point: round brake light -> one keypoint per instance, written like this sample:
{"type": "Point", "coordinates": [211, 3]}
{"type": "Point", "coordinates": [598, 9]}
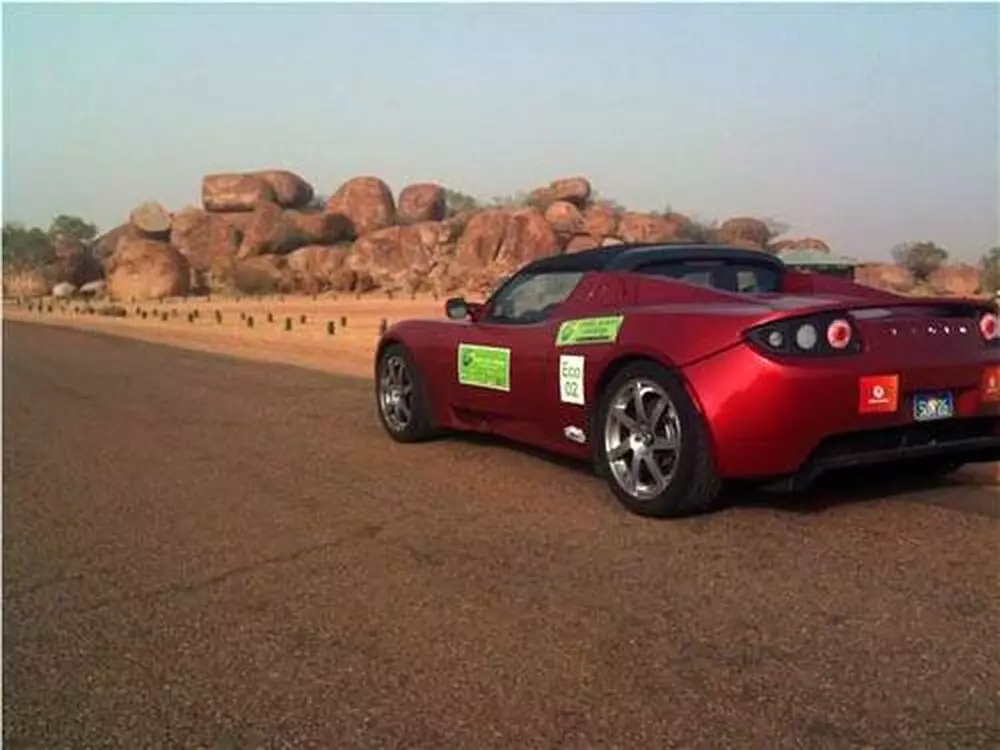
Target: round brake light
{"type": "Point", "coordinates": [988, 326]}
{"type": "Point", "coordinates": [838, 334]}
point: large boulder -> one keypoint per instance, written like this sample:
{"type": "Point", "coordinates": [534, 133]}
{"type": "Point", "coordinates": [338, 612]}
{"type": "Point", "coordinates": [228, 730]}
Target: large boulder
{"type": "Point", "coordinates": [960, 280]}
{"type": "Point", "coordinates": [885, 276]}
{"type": "Point", "coordinates": [481, 239]}
{"type": "Point", "coordinates": [528, 237]}
{"type": "Point", "coordinates": [234, 191]}
{"type": "Point", "coordinates": [399, 257]}
{"type": "Point", "coordinates": [421, 202]}
{"type": "Point", "coordinates": [580, 242]}
{"type": "Point", "coordinates": [317, 268]}
{"type": "Point", "coordinates": [272, 229]}
{"type": "Point", "coordinates": [805, 243]}
{"type": "Point", "coordinates": [743, 231]}
{"type": "Point", "coordinates": [506, 239]}
{"type": "Point", "coordinates": [575, 190]}
{"type": "Point", "coordinates": [105, 245]}
{"type": "Point", "coordinates": [642, 227]}
{"type": "Point", "coordinates": [601, 220]}
{"type": "Point", "coordinates": [367, 204]}
{"type": "Point", "coordinates": [262, 274]}
{"type": "Point", "coordinates": [150, 220]}
{"type": "Point", "coordinates": [147, 269]}
{"type": "Point", "coordinates": [564, 217]}
{"type": "Point", "coordinates": [290, 190]}
{"type": "Point", "coordinates": [203, 237]}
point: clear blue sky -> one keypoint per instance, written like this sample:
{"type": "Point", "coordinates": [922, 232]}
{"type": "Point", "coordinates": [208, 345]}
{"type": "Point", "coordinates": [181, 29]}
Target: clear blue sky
{"type": "Point", "coordinates": [867, 125]}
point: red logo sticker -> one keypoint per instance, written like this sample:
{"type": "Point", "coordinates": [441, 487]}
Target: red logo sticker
{"type": "Point", "coordinates": [879, 394]}
{"type": "Point", "coordinates": [991, 384]}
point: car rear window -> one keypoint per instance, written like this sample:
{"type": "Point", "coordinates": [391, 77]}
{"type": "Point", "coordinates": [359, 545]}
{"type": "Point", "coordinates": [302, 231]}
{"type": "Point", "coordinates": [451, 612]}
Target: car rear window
{"type": "Point", "coordinates": [744, 278]}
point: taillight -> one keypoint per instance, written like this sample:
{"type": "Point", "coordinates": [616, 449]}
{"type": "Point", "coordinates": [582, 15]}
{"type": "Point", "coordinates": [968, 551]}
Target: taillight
{"type": "Point", "coordinates": [838, 334]}
{"type": "Point", "coordinates": [816, 335]}
{"type": "Point", "coordinates": [988, 327]}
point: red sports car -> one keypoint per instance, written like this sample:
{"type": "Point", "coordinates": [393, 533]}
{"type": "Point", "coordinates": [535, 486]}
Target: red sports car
{"type": "Point", "coordinates": [674, 368]}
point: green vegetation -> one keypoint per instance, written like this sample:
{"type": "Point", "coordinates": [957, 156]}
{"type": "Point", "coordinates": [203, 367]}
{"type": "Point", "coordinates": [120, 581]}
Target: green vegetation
{"type": "Point", "coordinates": [920, 258]}
{"type": "Point", "coordinates": [990, 266]}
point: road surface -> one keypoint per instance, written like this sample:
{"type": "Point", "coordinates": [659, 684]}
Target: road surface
{"type": "Point", "coordinates": [205, 552]}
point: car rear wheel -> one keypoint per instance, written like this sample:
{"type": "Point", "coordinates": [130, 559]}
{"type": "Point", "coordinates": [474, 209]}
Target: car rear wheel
{"type": "Point", "coordinates": [651, 444]}
{"type": "Point", "coordinates": [403, 407]}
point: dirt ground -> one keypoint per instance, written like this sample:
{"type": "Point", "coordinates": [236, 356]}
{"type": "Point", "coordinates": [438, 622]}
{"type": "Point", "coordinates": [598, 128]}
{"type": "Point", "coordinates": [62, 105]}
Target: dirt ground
{"type": "Point", "coordinates": [200, 551]}
{"type": "Point", "coordinates": [348, 351]}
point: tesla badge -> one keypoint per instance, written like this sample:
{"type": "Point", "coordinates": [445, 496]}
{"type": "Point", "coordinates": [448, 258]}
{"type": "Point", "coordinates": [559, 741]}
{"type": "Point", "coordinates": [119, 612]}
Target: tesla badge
{"type": "Point", "coordinates": [879, 394]}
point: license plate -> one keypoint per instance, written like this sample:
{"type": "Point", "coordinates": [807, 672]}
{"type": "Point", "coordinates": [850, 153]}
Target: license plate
{"type": "Point", "coordinates": [930, 406]}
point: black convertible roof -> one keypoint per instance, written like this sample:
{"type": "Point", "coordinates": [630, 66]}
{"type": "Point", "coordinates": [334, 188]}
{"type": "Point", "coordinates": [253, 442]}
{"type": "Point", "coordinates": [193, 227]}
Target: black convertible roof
{"type": "Point", "coordinates": [630, 257]}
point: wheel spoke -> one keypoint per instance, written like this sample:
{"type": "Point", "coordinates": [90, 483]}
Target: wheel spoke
{"type": "Point", "coordinates": [661, 406]}
{"type": "Point", "coordinates": [655, 472]}
{"type": "Point", "coordinates": [640, 408]}
{"type": "Point", "coordinates": [618, 451]}
{"type": "Point", "coordinates": [403, 409]}
{"type": "Point", "coordinates": [625, 420]}
{"type": "Point", "coordinates": [635, 468]}
{"type": "Point", "coordinates": [665, 443]}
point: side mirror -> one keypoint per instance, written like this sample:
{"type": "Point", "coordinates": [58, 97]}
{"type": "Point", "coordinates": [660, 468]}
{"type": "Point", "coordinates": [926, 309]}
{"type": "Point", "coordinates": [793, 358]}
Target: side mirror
{"type": "Point", "coordinates": [456, 308]}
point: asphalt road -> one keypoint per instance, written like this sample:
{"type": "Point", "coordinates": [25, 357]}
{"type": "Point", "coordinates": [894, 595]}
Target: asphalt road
{"type": "Point", "coordinates": [205, 552]}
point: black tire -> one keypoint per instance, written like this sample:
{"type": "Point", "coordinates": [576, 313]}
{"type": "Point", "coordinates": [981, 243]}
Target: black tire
{"type": "Point", "coordinates": [420, 426]}
{"type": "Point", "coordinates": [695, 486]}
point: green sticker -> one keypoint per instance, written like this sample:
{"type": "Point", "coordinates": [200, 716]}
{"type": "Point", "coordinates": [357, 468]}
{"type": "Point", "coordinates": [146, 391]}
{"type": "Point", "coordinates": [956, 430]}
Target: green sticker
{"type": "Point", "coordinates": [484, 366]}
{"type": "Point", "coordinates": [589, 330]}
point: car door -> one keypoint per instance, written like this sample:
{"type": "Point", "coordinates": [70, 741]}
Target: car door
{"type": "Point", "coordinates": [502, 358]}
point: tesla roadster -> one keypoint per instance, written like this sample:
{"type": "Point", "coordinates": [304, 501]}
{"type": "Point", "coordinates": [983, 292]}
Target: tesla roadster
{"type": "Point", "coordinates": [673, 368]}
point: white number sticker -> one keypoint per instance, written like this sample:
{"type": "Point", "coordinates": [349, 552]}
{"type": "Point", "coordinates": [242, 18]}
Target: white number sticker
{"type": "Point", "coordinates": [571, 378]}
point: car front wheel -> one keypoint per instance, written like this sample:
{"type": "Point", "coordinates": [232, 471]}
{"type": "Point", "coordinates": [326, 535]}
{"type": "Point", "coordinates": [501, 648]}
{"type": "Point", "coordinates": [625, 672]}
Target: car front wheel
{"type": "Point", "coordinates": [403, 407]}
{"type": "Point", "coordinates": [651, 444]}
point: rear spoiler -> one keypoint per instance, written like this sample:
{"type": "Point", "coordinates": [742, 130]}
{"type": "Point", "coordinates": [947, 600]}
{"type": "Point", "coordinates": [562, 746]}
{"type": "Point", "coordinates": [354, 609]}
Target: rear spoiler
{"type": "Point", "coordinates": [860, 297]}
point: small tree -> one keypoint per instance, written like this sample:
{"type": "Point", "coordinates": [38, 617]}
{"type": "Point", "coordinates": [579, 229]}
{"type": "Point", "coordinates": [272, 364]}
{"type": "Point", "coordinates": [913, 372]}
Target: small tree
{"type": "Point", "coordinates": [991, 270]}
{"type": "Point", "coordinates": [456, 202]}
{"type": "Point", "coordinates": [71, 229]}
{"type": "Point", "coordinates": [26, 248]}
{"type": "Point", "coordinates": [920, 258]}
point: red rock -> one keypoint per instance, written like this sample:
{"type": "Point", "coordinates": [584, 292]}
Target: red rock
{"type": "Point", "coordinates": [564, 217]}
{"type": "Point", "coordinates": [421, 202]}
{"type": "Point", "coordinates": [575, 190]}
{"type": "Point", "coordinates": [366, 202]}
{"type": "Point", "coordinates": [317, 268]}
{"type": "Point", "coordinates": [527, 237]}
{"type": "Point", "coordinates": [642, 228]}
{"type": "Point", "coordinates": [806, 243]}
{"type": "Point", "coordinates": [290, 190]}
{"type": "Point", "coordinates": [885, 276]}
{"type": "Point", "coordinates": [744, 231]}
{"type": "Point", "coordinates": [600, 220]}
{"type": "Point", "coordinates": [959, 280]}
{"type": "Point", "coordinates": [202, 237]}
{"type": "Point", "coordinates": [480, 242]}
{"type": "Point", "coordinates": [582, 242]}
{"type": "Point", "coordinates": [147, 269]}
{"type": "Point", "coordinates": [234, 191]}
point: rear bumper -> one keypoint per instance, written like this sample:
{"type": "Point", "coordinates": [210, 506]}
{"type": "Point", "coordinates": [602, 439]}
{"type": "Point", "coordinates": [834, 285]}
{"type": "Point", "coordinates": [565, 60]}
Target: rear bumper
{"type": "Point", "coordinates": [969, 440]}
{"type": "Point", "coordinates": [770, 419]}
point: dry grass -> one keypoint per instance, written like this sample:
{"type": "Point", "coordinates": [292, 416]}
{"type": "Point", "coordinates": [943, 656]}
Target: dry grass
{"type": "Point", "coordinates": [348, 351]}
